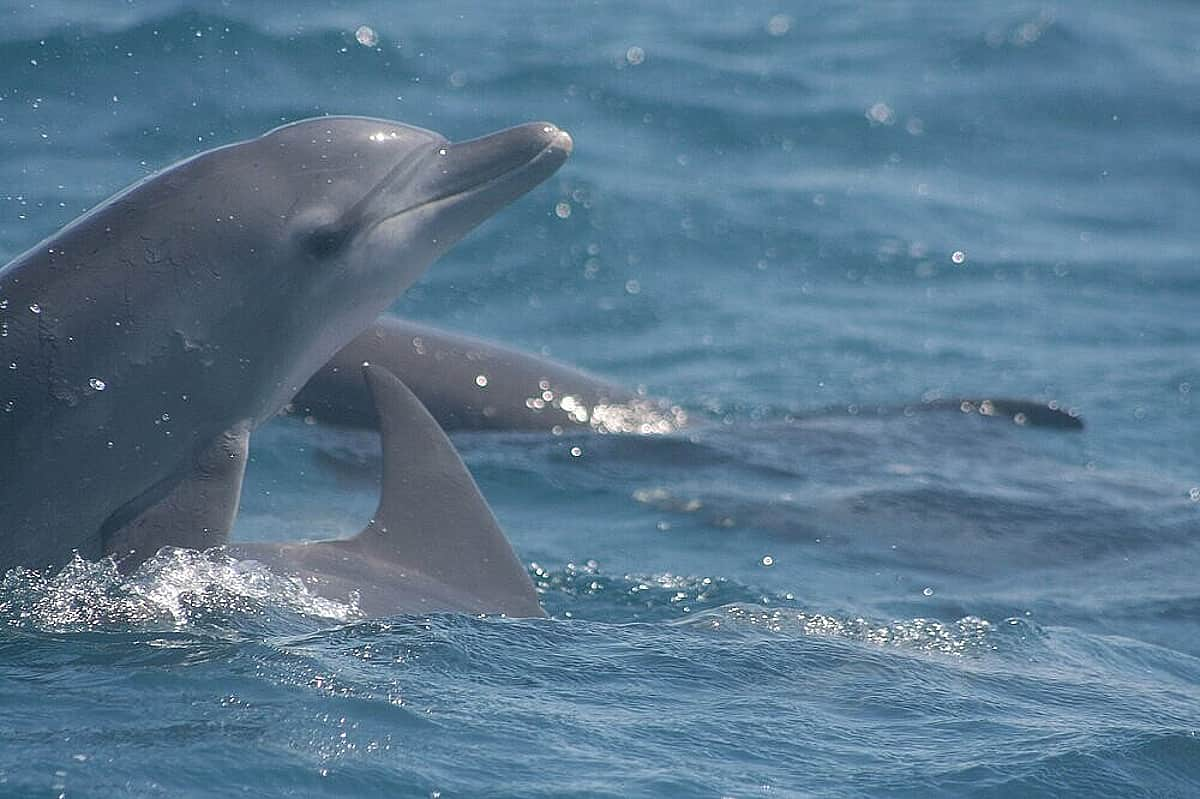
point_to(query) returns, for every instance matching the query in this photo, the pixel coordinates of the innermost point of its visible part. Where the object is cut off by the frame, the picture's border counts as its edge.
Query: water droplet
(928, 592)
(366, 36)
(881, 114)
(562, 210)
(779, 24)
(767, 560)
(481, 381)
(97, 384)
(959, 257)
(576, 452)
(35, 308)
(635, 55)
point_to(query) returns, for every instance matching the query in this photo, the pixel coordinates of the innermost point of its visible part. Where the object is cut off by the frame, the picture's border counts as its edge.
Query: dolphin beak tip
(557, 138)
(564, 142)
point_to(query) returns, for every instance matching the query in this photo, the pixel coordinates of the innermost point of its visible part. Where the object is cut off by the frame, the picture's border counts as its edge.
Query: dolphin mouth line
(484, 185)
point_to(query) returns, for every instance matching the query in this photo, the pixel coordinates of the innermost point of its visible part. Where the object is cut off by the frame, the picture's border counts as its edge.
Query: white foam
(178, 587)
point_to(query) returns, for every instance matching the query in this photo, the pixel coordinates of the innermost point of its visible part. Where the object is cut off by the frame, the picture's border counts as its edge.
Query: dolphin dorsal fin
(431, 516)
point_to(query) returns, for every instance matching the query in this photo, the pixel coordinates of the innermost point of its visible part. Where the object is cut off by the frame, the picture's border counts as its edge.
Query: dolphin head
(339, 215)
(376, 201)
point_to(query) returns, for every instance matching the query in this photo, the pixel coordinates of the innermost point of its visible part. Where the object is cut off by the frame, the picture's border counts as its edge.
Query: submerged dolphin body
(471, 384)
(144, 341)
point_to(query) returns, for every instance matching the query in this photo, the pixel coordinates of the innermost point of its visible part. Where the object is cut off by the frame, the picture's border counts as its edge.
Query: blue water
(758, 221)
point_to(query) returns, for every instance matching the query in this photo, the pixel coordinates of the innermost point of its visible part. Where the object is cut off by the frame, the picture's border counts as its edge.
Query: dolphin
(433, 545)
(471, 384)
(144, 342)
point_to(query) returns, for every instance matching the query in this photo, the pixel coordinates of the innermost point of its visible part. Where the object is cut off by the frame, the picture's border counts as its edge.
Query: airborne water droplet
(779, 24)
(366, 36)
(97, 384)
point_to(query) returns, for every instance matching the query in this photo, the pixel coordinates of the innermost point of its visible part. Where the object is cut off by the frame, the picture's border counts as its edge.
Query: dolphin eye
(325, 241)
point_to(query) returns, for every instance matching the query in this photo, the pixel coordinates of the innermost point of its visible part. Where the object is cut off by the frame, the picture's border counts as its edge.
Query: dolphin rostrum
(143, 343)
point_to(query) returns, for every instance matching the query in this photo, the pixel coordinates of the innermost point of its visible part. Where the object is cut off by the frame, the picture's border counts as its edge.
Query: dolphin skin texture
(145, 341)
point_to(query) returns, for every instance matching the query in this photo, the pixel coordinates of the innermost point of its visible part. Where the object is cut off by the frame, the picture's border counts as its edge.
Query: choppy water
(759, 220)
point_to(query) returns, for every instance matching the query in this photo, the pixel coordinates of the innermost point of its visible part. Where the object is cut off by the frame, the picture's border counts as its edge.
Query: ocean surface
(780, 216)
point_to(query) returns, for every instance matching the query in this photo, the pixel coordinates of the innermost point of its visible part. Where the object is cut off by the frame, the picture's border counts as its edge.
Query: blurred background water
(761, 219)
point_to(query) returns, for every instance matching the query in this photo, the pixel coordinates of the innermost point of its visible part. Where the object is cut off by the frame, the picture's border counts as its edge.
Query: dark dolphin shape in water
(472, 384)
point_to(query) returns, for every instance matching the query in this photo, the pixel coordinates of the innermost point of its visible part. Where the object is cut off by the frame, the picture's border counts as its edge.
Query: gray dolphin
(142, 343)
(471, 384)
(433, 544)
